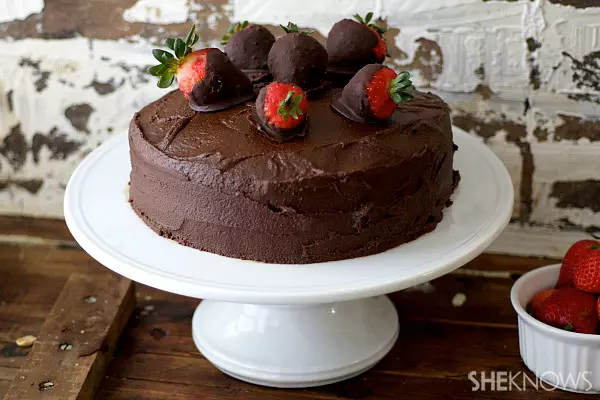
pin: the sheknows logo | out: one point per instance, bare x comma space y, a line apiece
505, 381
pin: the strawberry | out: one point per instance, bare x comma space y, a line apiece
353, 43
572, 259
284, 105
570, 309
537, 300
207, 78
189, 66
298, 58
386, 89
380, 49
586, 276
248, 45
373, 93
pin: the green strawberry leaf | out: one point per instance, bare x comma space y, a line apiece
401, 88
233, 29
161, 55
180, 48
169, 62
359, 18
569, 328
190, 36
368, 18
157, 70
165, 81
170, 42
290, 106
293, 28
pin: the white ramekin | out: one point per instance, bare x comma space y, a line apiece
554, 354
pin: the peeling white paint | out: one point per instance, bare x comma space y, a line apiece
158, 11
11, 10
69, 82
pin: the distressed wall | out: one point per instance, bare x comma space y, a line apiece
523, 76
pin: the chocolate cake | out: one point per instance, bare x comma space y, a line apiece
218, 182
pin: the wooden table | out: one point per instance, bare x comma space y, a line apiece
457, 324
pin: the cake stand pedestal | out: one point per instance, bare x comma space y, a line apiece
286, 325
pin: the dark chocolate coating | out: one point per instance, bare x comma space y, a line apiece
214, 182
223, 86
249, 48
277, 134
350, 46
298, 58
353, 102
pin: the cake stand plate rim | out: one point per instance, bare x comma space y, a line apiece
112, 241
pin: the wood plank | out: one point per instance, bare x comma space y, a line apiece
162, 322
368, 386
54, 229
54, 260
423, 350
88, 315
512, 264
4, 385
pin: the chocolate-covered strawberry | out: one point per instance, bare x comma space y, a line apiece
207, 78
374, 93
281, 110
298, 58
352, 44
248, 45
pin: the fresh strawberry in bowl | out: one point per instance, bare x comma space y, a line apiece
558, 310
576, 253
570, 309
586, 275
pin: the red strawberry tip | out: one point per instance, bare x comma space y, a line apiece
290, 106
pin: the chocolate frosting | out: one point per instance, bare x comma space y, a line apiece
249, 48
353, 102
223, 86
280, 135
298, 58
350, 46
213, 182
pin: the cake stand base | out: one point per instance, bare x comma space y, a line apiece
293, 346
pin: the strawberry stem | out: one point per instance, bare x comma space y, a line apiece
290, 106
367, 21
293, 28
169, 62
401, 88
232, 30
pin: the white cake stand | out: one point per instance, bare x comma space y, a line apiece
286, 325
